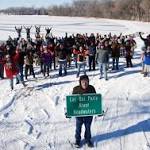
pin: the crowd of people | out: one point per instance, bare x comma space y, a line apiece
82, 51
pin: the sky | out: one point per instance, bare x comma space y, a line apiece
30, 3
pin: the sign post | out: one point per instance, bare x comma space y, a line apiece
84, 105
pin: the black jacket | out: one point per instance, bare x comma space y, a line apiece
62, 53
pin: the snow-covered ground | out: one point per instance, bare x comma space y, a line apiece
33, 118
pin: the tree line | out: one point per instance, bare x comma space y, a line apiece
116, 9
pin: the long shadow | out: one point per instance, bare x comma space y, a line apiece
47, 85
91, 75
73, 72
126, 73
122, 68
63, 82
137, 55
139, 127
141, 110
138, 65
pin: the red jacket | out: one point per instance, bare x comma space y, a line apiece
16, 58
11, 69
76, 51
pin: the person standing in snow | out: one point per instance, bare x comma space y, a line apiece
102, 57
29, 64
47, 61
142, 59
81, 60
1, 64
83, 88
115, 52
92, 53
19, 60
11, 71
128, 54
62, 59
75, 54
51, 50
147, 62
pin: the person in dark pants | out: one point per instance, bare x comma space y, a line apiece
115, 48
29, 64
92, 53
83, 88
19, 60
1, 64
62, 59
128, 54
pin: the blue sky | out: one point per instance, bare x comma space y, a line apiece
30, 3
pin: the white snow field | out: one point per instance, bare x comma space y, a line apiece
33, 118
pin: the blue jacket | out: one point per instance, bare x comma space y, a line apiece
147, 58
92, 50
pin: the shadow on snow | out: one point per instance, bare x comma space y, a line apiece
142, 126
47, 85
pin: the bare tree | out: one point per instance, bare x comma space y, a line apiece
118, 9
145, 4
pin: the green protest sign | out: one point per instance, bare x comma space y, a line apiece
84, 105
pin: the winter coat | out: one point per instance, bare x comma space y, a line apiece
62, 53
47, 58
21, 58
128, 52
102, 56
81, 57
29, 60
115, 50
92, 50
147, 58
51, 49
11, 69
79, 90
75, 52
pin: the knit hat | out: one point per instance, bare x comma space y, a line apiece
84, 77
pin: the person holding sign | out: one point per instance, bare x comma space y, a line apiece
83, 88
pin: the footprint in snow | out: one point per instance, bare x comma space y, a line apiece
56, 100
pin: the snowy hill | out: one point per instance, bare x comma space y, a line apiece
33, 118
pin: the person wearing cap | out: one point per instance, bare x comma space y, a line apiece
83, 88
